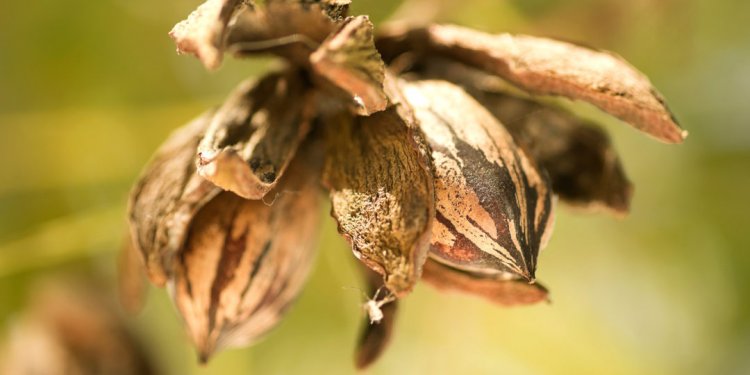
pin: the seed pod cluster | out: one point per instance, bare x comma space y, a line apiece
435, 170
233, 265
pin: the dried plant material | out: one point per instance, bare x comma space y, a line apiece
69, 329
131, 278
503, 289
381, 192
579, 157
255, 134
165, 198
204, 31
348, 59
493, 205
245, 262
548, 67
413, 170
335, 9
583, 166
284, 28
375, 335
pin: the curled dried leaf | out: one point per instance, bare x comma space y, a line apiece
348, 60
245, 262
582, 163
375, 337
382, 194
503, 289
284, 28
493, 204
549, 67
165, 198
255, 134
204, 31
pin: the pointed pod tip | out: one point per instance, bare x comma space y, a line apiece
203, 356
675, 135
202, 359
529, 273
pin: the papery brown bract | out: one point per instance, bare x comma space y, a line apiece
580, 159
549, 67
166, 197
283, 28
204, 31
493, 204
348, 60
255, 134
503, 289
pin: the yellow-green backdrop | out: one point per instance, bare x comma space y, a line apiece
88, 89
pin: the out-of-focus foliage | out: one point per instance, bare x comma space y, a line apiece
88, 89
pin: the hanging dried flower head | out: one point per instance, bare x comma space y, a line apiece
435, 171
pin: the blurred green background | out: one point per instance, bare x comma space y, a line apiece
88, 90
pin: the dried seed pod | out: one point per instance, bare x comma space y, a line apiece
255, 134
493, 205
204, 31
548, 67
348, 59
382, 194
245, 262
165, 198
583, 165
71, 328
504, 289
375, 336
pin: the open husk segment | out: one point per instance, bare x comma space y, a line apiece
255, 134
546, 67
582, 163
381, 192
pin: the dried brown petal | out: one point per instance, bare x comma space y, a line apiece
382, 194
544, 66
204, 31
503, 289
493, 205
255, 134
283, 28
165, 198
245, 262
579, 157
375, 337
348, 59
